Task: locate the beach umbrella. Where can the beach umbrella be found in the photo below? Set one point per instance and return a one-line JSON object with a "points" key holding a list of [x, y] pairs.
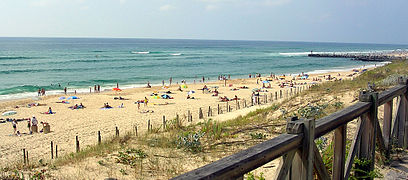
{"points": [[73, 97], [116, 89], [8, 113], [61, 98], [191, 92]]}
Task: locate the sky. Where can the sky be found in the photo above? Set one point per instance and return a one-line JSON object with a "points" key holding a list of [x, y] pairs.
{"points": [[355, 21]]}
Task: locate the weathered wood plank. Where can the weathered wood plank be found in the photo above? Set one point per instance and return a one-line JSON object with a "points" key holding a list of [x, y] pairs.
{"points": [[339, 152], [244, 161], [319, 166], [391, 93], [285, 164], [353, 149], [339, 118], [387, 124]]}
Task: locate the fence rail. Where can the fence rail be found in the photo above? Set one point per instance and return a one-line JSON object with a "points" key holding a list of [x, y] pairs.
{"points": [[299, 152]]}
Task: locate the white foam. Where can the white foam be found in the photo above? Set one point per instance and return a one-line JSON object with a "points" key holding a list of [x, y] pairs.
{"points": [[140, 52], [176, 54], [345, 69]]}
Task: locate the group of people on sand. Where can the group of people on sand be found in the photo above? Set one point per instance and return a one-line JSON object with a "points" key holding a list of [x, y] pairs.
{"points": [[32, 125], [41, 92]]}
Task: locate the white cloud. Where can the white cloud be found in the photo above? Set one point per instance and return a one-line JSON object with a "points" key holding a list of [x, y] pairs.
{"points": [[166, 7]]}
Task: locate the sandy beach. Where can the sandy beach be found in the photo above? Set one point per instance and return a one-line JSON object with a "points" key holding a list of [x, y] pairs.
{"points": [[85, 123]]}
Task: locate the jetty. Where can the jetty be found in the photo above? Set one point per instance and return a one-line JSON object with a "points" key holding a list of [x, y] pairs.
{"points": [[380, 57]]}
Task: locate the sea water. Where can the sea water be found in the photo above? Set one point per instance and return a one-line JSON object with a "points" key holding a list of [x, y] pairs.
{"points": [[27, 64]]}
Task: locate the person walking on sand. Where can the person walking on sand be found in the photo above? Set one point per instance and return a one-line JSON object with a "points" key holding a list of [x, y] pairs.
{"points": [[65, 90], [39, 92], [14, 122]]}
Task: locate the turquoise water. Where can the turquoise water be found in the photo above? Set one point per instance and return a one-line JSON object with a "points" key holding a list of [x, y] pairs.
{"points": [[78, 63]]}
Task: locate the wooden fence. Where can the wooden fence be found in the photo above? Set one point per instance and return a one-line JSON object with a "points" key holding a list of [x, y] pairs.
{"points": [[300, 156]]}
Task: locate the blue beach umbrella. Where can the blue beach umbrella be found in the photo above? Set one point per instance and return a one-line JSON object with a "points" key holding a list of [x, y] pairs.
{"points": [[61, 98], [73, 97]]}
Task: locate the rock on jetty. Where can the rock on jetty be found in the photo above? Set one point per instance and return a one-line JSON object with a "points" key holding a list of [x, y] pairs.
{"points": [[395, 55]]}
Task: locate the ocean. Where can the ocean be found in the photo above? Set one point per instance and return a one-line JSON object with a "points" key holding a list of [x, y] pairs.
{"points": [[27, 64]]}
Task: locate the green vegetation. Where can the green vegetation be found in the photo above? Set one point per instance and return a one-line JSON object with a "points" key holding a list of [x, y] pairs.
{"points": [[208, 138]]}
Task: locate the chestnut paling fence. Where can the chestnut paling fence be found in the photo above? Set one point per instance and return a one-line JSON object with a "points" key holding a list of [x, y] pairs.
{"points": [[300, 156]]}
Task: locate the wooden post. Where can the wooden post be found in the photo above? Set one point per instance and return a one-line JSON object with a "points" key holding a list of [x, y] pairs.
{"points": [[218, 109], [227, 107], [148, 125], [270, 95], [238, 107], [117, 131], [24, 156], [209, 111], [200, 114], [56, 151], [339, 153], [164, 122], [177, 119], [302, 165], [245, 105], [266, 98], [136, 129], [52, 150], [368, 134], [276, 95], [27, 157], [99, 137], [404, 111], [307, 154], [280, 94], [387, 124], [77, 144], [291, 91]]}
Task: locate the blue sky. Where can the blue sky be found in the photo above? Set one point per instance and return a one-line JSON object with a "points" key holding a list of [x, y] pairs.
{"points": [[366, 21]]}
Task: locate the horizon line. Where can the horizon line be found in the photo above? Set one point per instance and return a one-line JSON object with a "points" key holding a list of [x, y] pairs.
{"points": [[198, 39]]}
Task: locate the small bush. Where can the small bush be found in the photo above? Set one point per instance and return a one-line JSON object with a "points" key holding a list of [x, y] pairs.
{"points": [[257, 135], [190, 141]]}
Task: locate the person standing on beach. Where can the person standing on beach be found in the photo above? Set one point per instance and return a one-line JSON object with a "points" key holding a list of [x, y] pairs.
{"points": [[171, 79], [14, 122], [34, 123], [65, 90], [29, 125], [203, 79], [163, 83], [39, 92], [99, 88], [146, 101]]}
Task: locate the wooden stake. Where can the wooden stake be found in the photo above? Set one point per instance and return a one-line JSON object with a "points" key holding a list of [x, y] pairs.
{"points": [[218, 108], [117, 131], [148, 125], [56, 151], [77, 144], [24, 156], [164, 122], [99, 137], [52, 150]]}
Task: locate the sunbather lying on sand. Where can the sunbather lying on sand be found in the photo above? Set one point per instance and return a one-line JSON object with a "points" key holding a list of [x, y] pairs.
{"points": [[147, 111], [120, 98]]}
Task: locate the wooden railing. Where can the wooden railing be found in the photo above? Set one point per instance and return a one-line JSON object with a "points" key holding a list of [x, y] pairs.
{"points": [[298, 149]]}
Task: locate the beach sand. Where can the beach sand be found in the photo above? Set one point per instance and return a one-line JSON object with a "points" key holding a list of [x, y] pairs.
{"points": [[85, 123]]}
